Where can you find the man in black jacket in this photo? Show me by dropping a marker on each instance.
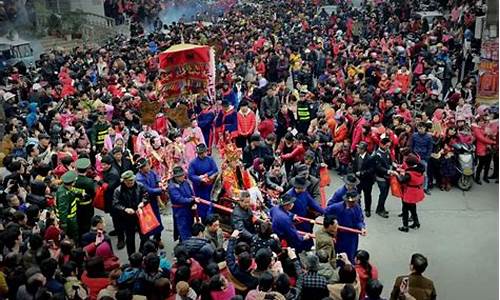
(120, 161)
(383, 162)
(364, 169)
(127, 199)
(242, 217)
(239, 266)
(111, 176)
(198, 246)
(254, 150)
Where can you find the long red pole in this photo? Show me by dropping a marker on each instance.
(230, 210)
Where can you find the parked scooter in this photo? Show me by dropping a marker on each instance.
(465, 165)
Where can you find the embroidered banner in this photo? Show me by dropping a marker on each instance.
(187, 69)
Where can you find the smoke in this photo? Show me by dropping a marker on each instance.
(175, 12)
(21, 21)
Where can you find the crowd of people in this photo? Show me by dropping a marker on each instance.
(373, 92)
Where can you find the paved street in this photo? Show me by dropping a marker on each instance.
(459, 236)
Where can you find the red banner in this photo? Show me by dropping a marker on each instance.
(488, 71)
(187, 70)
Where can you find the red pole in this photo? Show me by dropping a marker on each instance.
(229, 210)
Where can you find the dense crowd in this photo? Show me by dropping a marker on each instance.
(374, 93)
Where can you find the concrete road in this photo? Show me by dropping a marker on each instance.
(459, 236)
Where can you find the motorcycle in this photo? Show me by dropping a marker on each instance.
(465, 165)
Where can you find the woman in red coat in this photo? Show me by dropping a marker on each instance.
(483, 148)
(412, 180)
(365, 270)
(94, 276)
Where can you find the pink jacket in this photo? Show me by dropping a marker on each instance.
(109, 142)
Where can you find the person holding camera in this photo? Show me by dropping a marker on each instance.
(415, 285)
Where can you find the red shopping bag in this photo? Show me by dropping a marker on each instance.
(324, 177)
(147, 219)
(99, 201)
(395, 187)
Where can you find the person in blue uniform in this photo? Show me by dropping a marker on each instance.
(350, 184)
(349, 214)
(282, 224)
(206, 119)
(151, 181)
(303, 205)
(228, 119)
(182, 198)
(202, 173)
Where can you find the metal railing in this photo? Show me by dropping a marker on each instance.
(95, 19)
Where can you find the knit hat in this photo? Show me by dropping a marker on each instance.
(309, 155)
(52, 233)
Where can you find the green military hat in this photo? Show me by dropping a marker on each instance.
(128, 175)
(69, 177)
(82, 163)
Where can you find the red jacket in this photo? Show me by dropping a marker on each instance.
(363, 278)
(246, 123)
(482, 140)
(60, 170)
(266, 127)
(371, 140)
(196, 271)
(406, 114)
(357, 133)
(296, 155)
(94, 285)
(413, 190)
(340, 133)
